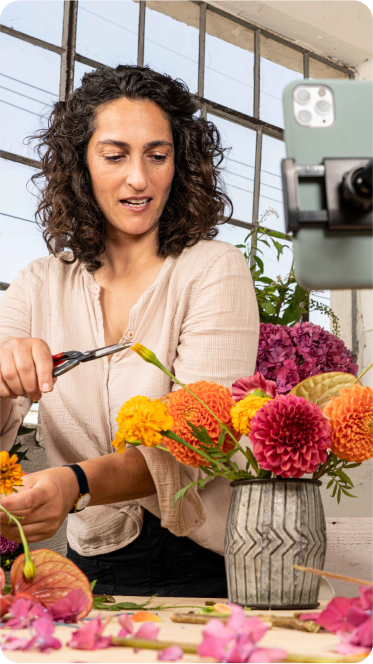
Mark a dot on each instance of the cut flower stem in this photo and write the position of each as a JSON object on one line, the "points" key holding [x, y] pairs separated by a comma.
{"points": [[29, 569]]}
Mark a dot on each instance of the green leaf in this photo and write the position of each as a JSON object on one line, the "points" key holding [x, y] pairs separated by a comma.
{"points": [[180, 494], [92, 584], [269, 308], [329, 484], [334, 490], [344, 477], [259, 263], [347, 493], [323, 387], [339, 495], [22, 431], [200, 433]]}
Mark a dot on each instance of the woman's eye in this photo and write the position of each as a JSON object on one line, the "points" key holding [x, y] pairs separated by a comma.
{"points": [[158, 157], [114, 158]]}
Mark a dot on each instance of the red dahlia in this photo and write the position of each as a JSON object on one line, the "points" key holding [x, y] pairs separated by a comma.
{"points": [[290, 436]]}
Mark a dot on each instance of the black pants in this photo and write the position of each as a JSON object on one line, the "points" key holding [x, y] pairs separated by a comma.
{"points": [[157, 562]]}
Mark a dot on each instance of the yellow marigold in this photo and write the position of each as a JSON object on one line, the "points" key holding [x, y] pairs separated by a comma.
{"points": [[11, 472], [351, 420], [141, 419], [244, 410]]}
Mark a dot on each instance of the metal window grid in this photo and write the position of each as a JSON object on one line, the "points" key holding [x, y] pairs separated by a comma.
{"points": [[69, 57]]}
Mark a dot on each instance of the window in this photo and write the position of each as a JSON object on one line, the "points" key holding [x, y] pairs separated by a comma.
{"points": [[238, 69]]}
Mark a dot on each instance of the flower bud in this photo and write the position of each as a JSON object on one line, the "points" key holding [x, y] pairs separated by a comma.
{"points": [[29, 570], [145, 353]]}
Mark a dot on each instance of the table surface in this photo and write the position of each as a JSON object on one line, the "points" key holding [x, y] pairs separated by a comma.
{"points": [[294, 642]]}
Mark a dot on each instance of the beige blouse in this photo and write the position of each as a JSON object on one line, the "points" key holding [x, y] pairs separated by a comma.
{"points": [[199, 316]]}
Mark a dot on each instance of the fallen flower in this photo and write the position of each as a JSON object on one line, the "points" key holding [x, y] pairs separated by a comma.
{"points": [[170, 654], [43, 638], [126, 624], [335, 617], [90, 636], [350, 644], [70, 607], [145, 616], [147, 631], [23, 612]]}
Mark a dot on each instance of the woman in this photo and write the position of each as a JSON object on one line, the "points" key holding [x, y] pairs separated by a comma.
{"points": [[131, 189]]}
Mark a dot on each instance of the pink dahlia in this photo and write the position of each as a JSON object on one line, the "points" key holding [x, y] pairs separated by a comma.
{"points": [[244, 386], [290, 436]]}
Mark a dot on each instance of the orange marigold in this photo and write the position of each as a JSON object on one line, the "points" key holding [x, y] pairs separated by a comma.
{"points": [[182, 406], [11, 472], [351, 420]]}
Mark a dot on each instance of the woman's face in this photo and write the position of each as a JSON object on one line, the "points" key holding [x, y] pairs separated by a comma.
{"points": [[130, 158]]}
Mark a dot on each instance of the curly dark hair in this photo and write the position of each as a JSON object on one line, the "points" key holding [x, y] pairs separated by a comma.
{"points": [[68, 211]]}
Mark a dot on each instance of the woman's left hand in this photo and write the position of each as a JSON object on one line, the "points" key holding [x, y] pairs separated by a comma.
{"points": [[44, 501]]}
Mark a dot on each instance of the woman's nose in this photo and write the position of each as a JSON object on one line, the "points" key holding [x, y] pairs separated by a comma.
{"points": [[137, 176]]}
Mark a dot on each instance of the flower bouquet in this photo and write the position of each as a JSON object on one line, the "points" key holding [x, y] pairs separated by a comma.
{"points": [[323, 426]]}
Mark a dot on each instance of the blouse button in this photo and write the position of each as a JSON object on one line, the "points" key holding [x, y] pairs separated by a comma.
{"points": [[130, 334]]}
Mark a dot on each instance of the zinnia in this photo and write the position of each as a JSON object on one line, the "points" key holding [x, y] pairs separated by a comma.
{"points": [[183, 406], [351, 420], [243, 412], [141, 419], [11, 472], [290, 436]]}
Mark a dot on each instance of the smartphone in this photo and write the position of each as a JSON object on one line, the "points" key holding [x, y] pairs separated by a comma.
{"points": [[329, 119]]}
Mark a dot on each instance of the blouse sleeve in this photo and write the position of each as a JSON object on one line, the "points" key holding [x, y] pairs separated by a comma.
{"points": [[218, 342], [15, 321]]}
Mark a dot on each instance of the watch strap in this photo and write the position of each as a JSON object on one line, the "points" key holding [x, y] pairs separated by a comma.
{"points": [[82, 479]]}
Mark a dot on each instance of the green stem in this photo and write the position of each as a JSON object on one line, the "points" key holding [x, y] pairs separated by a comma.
{"points": [[177, 439], [189, 648], [29, 568], [284, 290], [323, 468], [362, 374]]}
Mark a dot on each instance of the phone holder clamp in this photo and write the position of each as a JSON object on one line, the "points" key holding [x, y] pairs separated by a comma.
{"points": [[345, 190]]}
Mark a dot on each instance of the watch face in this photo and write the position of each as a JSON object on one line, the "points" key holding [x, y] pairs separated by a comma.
{"points": [[82, 502]]}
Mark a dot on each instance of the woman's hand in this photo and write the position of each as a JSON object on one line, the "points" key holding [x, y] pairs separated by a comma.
{"points": [[44, 501], [25, 368]]}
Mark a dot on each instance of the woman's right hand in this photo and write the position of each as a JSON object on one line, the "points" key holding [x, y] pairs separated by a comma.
{"points": [[25, 368]]}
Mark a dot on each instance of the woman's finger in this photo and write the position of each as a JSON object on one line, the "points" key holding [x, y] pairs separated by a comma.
{"points": [[44, 365], [24, 362], [9, 373], [34, 532], [5, 391]]}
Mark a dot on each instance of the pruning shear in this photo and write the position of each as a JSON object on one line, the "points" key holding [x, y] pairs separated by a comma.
{"points": [[63, 362]]}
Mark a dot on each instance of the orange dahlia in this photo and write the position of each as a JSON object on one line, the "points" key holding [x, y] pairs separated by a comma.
{"points": [[351, 420], [182, 406], [11, 472]]}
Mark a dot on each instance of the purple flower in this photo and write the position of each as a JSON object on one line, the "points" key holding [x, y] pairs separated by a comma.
{"points": [[23, 612], [43, 638], [289, 355], [7, 546], [69, 607], [90, 636], [244, 386]]}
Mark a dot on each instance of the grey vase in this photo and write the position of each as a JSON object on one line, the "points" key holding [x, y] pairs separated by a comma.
{"points": [[272, 525]]}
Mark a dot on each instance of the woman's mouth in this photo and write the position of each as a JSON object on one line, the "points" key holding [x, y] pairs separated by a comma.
{"points": [[137, 204]]}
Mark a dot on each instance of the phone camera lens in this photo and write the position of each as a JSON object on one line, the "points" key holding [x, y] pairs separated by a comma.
{"points": [[322, 92], [323, 106], [305, 117], [302, 96]]}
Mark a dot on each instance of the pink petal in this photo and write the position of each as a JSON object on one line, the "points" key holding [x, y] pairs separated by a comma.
{"points": [[363, 635], [13, 643], [147, 631], [211, 647], [216, 630], [69, 607], [126, 624], [259, 655], [170, 654], [44, 627], [366, 597], [356, 615], [310, 616], [236, 619]]}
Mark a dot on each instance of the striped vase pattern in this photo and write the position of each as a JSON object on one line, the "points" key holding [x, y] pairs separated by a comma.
{"points": [[272, 525]]}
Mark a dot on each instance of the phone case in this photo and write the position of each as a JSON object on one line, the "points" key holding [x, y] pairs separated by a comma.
{"points": [[324, 259]]}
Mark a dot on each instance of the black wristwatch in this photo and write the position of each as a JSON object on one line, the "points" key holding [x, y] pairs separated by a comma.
{"points": [[84, 495]]}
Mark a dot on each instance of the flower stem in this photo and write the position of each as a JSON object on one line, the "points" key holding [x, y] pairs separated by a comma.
{"points": [[362, 374], [129, 642], [323, 468], [176, 438], [29, 569]]}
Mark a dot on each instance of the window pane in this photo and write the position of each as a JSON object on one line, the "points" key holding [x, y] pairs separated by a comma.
{"points": [[271, 198], [172, 40], [320, 70], [79, 71], [21, 240], [317, 317], [229, 64], [232, 234], [279, 65], [107, 31], [39, 19], [29, 78], [239, 165]]}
